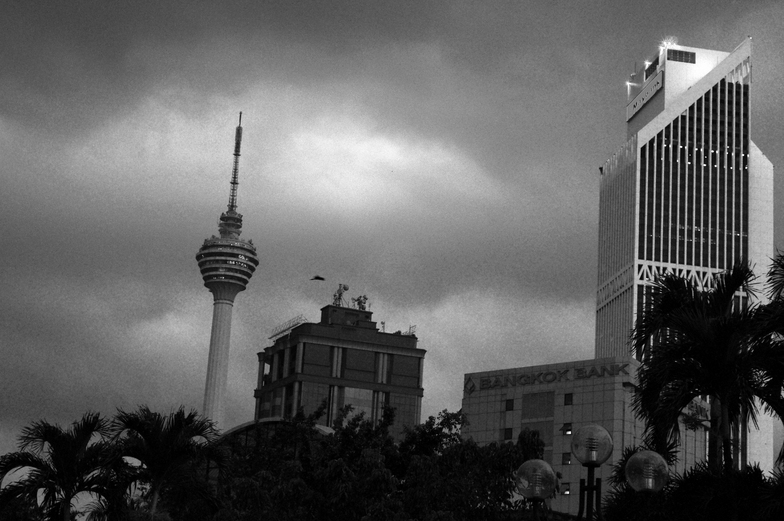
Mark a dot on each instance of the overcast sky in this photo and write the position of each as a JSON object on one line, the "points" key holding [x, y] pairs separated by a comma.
{"points": [[440, 157]]}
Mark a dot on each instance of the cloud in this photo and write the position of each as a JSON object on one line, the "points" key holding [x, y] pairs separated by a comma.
{"points": [[482, 330]]}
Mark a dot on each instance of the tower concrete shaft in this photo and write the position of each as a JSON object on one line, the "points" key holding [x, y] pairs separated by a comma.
{"points": [[226, 264], [220, 340]]}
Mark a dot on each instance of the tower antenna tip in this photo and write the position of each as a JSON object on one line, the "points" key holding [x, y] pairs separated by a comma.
{"points": [[240, 118]]}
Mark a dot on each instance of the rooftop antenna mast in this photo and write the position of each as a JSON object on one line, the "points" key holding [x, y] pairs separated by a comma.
{"points": [[235, 171], [230, 221], [337, 298]]}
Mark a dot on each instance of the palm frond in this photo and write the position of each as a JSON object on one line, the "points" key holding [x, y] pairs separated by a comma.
{"points": [[18, 491], [696, 341], [727, 284], [775, 283], [36, 436], [20, 460], [167, 445]]}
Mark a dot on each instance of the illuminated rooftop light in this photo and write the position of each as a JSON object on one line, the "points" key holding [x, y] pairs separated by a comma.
{"points": [[669, 41]]}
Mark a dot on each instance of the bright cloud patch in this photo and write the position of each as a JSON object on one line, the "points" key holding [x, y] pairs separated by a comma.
{"points": [[481, 331], [344, 166]]}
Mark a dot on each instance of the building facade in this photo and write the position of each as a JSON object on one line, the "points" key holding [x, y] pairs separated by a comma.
{"points": [[342, 360], [557, 399], [689, 192]]}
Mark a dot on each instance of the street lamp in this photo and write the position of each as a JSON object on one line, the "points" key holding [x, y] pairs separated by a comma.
{"points": [[646, 471], [592, 446], [535, 481]]}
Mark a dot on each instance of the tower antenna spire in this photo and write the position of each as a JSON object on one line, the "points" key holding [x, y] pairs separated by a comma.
{"points": [[230, 221], [226, 264], [235, 171]]}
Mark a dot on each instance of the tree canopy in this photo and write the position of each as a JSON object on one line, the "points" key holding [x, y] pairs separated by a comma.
{"points": [[360, 473], [57, 465], [180, 470], [712, 342]]}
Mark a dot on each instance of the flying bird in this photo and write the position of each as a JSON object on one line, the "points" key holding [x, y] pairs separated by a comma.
{"points": [[317, 277]]}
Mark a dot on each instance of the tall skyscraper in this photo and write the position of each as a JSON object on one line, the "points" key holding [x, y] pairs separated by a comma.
{"points": [[689, 192], [227, 264]]}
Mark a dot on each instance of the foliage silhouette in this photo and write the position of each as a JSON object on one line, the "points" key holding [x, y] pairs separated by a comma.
{"points": [[58, 465], [168, 448], [696, 342]]}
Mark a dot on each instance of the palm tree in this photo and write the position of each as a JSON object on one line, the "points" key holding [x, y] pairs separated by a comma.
{"points": [[706, 342], [58, 464], [775, 283], [120, 498], [166, 446], [773, 318]]}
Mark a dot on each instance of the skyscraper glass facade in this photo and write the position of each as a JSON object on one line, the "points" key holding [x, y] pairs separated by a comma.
{"points": [[678, 196]]}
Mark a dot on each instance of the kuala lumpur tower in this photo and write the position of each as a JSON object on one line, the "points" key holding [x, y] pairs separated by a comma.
{"points": [[227, 264]]}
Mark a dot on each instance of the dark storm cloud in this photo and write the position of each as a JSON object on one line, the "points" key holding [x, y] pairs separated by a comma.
{"points": [[76, 63], [72, 62], [66, 64], [65, 340]]}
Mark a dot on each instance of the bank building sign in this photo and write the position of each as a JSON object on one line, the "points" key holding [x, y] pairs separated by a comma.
{"points": [[544, 377]]}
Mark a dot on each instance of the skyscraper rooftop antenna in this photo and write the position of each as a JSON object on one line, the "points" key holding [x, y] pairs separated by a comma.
{"points": [[235, 171]]}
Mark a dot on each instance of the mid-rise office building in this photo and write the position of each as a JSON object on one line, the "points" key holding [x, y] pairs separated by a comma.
{"points": [[557, 399], [342, 360]]}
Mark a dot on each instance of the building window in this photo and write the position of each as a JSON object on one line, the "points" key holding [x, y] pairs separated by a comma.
{"points": [[277, 402], [651, 69], [288, 406], [359, 365], [279, 365], [510, 405], [405, 371], [681, 56], [544, 428], [507, 434], [316, 360], [566, 489], [537, 405], [566, 429], [292, 360], [566, 458], [568, 398]]}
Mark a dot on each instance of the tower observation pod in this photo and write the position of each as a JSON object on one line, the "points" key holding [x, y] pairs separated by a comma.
{"points": [[227, 263]]}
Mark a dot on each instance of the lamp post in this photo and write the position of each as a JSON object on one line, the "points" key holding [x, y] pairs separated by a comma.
{"points": [[592, 446], [535, 481], [646, 471]]}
